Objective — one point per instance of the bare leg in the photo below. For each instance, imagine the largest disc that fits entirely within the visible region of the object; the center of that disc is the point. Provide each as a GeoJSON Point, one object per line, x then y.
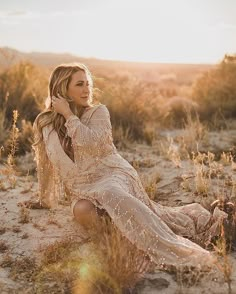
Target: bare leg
{"type": "Point", "coordinates": [85, 213]}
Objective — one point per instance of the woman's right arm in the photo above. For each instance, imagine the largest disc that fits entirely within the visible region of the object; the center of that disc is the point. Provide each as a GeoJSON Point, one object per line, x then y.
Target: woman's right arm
{"type": "Point", "coordinates": [97, 131]}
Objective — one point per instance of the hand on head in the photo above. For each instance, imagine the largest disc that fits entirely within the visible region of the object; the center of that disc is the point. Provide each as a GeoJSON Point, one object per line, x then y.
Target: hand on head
{"type": "Point", "coordinates": [61, 106]}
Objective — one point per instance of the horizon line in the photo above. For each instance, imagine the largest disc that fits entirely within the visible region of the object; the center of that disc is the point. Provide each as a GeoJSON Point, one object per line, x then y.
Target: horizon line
{"type": "Point", "coordinates": [111, 59]}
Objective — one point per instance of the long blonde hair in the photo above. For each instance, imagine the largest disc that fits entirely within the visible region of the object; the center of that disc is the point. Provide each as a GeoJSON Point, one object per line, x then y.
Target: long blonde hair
{"type": "Point", "coordinates": [58, 84]}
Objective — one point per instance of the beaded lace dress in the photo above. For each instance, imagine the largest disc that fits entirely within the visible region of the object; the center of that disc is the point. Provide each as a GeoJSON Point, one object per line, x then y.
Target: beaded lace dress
{"type": "Point", "coordinates": [99, 174]}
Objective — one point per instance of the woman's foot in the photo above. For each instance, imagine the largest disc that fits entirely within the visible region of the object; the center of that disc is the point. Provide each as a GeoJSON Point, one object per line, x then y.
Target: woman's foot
{"type": "Point", "coordinates": [224, 205]}
{"type": "Point", "coordinates": [228, 231]}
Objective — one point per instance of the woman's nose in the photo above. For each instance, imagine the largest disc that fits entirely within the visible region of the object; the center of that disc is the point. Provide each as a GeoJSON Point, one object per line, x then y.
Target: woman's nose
{"type": "Point", "coordinates": [86, 89]}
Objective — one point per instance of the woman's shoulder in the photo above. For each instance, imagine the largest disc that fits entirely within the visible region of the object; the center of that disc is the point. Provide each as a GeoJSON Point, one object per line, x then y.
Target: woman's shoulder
{"type": "Point", "coordinates": [95, 112]}
{"type": "Point", "coordinates": [95, 108]}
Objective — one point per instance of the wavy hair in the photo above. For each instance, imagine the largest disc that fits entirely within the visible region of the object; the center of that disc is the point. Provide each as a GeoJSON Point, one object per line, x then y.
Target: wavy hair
{"type": "Point", "coordinates": [58, 84]}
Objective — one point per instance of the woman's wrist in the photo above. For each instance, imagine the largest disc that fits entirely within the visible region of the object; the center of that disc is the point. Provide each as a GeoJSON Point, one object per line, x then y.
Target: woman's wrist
{"type": "Point", "coordinates": [68, 114]}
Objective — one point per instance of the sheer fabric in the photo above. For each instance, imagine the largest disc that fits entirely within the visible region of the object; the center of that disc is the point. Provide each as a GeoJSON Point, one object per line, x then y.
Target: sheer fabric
{"type": "Point", "coordinates": [99, 174]}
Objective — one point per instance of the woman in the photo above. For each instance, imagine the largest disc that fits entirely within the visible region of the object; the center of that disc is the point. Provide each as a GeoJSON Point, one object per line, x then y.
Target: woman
{"type": "Point", "coordinates": [76, 157]}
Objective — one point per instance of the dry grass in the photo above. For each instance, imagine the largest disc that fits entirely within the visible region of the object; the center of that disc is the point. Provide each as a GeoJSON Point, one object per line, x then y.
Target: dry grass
{"type": "Point", "coordinates": [7, 260]}
{"type": "Point", "coordinates": [226, 158]}
{"type": "Point", "coordinates": [170, 150]}
{"type": "Point", "coordinates": [121, 137]}
{"type": "Point", "coordinates": [3, 133]}
{"type": "Point", "coordinates": [215, 91]}
{"type": "Point", "coordinates": [53, 221]}
{"type": "Point", "coordinates": [186, 183]}
{"type": "Point", "coordinates": [58, 250]}
{"type": "Point", "coordinates": [59, 267]}
{"type": "Point", "coordinates": [23, 268]}
{"type": "Point", "coordinates": [224, 264]}
{"type": "Point", "coordinates": [3, 246]}
{"type": "Point", "coordinates": [182, 146]}
{"type": "Point", "coordinates": [25, 236]}
{"type": "Point", "coordinates": [195, 132]}
{"type": "Point", "coordinates": [150, 184]}
{"type": "Point", "coordinates": [3, 186]}
{"type": "Point", "coordinates": [28, 188]}
{"type": "Point", "coordinates": [9, 171]}
{"type": "Point", "coordinates": [2, 230]}
{"type": "Point", "coordinates": [13, 141]}
{"type": "Point", "coordinates": [39, 227]}
{"type": "Point", "coordinates": [187, 278]}
{"type": "Point", "coordinates": [110, 265]}
{"type": "Point", "coordinates": [115, 265]}
{"type": "Point", "coordinates": [16, 229]}
{"type": "Point", "coordinates": [24, 215]}
{"type": "Point", "coordinates": [202, 176]}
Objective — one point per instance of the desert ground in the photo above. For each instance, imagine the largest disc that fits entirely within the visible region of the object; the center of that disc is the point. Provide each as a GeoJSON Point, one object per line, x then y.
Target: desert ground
{"type": "Point", "coordinates": [169, 176]}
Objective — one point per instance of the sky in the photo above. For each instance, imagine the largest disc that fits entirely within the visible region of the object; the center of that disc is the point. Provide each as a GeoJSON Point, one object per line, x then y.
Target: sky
{"type": "Point", "coordinates": [173, 31]}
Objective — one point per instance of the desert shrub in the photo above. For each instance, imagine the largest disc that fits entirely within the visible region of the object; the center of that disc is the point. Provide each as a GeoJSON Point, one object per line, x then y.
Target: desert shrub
{"type": "Point", "coordinates": [25, 139]}
{"type": "Point", "coordinates": [115, 263]}
{"type": "Point", "coordinates": [215, 90]}
{"type": "Point", "coordinates": [175, 110]}
{"type": "Point", "coordinates": [131, 104]}
{"type": "Point", "coordinates": [22, 87]}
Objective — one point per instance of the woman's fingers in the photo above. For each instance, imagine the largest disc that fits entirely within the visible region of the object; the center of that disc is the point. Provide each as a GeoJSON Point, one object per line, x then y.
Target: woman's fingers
{"type": "Point", "coordinates": [55, 100]}
{"type": "Point", "coordinates": [60, 105]}
{"type": "Point", "coordinates": [59, 96]}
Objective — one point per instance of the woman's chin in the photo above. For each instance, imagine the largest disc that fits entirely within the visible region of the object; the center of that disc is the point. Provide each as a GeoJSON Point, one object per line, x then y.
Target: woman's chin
{"type": "Point", "coordinates": [83, 103]}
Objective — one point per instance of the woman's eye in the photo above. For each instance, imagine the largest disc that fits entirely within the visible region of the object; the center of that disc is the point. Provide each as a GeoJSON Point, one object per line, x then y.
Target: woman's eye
{"type": "Point", "coordinates": [81, 84]}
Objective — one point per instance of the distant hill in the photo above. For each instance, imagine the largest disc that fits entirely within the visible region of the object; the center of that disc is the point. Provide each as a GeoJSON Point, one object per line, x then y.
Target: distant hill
{"type": "Point", "coordinates": [9, 56]}
{"type": "Point", "coordinates": [146, 71]}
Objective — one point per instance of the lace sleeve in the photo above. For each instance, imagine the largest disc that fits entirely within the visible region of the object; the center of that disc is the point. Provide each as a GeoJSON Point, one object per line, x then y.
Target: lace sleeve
{"type": "Point", "coordinates": [46, 178]}
{"type": "Point", "coordinates": [98, 129]}
{"type": "Point", "coordinates": [50, 186]}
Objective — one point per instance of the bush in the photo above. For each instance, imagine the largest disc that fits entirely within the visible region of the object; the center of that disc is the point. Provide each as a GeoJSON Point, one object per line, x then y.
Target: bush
{"type": "Point", "coordinates": [215, 91]}
{"type": "Point", "coordinates": [132, 106]}
{"type": "Point", "coordinates": [22, 88]}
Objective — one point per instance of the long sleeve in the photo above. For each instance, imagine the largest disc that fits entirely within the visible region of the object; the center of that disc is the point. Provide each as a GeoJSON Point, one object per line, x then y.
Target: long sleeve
{"type": "Point", "coordinates": [98, 130]}
{"type": "Point", "coordinates": [47, 157]}
{"type": "Point", "coordinates": [47, 178]}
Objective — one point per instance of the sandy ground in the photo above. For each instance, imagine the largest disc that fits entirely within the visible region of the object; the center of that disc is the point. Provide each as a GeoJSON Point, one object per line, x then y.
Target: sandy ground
{"type": "Point", "coordinates": [20, 240]}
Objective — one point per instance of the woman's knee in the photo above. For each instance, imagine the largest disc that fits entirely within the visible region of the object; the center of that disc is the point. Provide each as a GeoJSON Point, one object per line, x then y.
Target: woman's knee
{"type": "Point", "coordinates": [83, 206]}
{"type": "Point", "coordinates": [83, 210]}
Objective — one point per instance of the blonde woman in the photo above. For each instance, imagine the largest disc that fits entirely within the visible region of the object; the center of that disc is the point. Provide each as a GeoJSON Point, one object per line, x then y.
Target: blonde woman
{"type": "Point", "coordinates": [76, 159]}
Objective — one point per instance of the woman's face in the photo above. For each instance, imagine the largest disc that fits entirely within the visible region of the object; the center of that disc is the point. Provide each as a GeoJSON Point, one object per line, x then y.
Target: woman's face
{"type": "Point", "coordinates": [79, 88]}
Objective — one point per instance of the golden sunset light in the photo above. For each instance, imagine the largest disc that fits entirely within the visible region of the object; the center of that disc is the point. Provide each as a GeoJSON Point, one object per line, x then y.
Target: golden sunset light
{"type": "Point", "coordinates": [118, 146]}
{"type": "Point", "coordinates": [185, 31]}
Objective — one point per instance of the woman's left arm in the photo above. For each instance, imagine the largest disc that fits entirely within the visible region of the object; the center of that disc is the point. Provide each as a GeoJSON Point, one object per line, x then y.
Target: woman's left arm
{"type": "Point", "coordinates": [98, 130]}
